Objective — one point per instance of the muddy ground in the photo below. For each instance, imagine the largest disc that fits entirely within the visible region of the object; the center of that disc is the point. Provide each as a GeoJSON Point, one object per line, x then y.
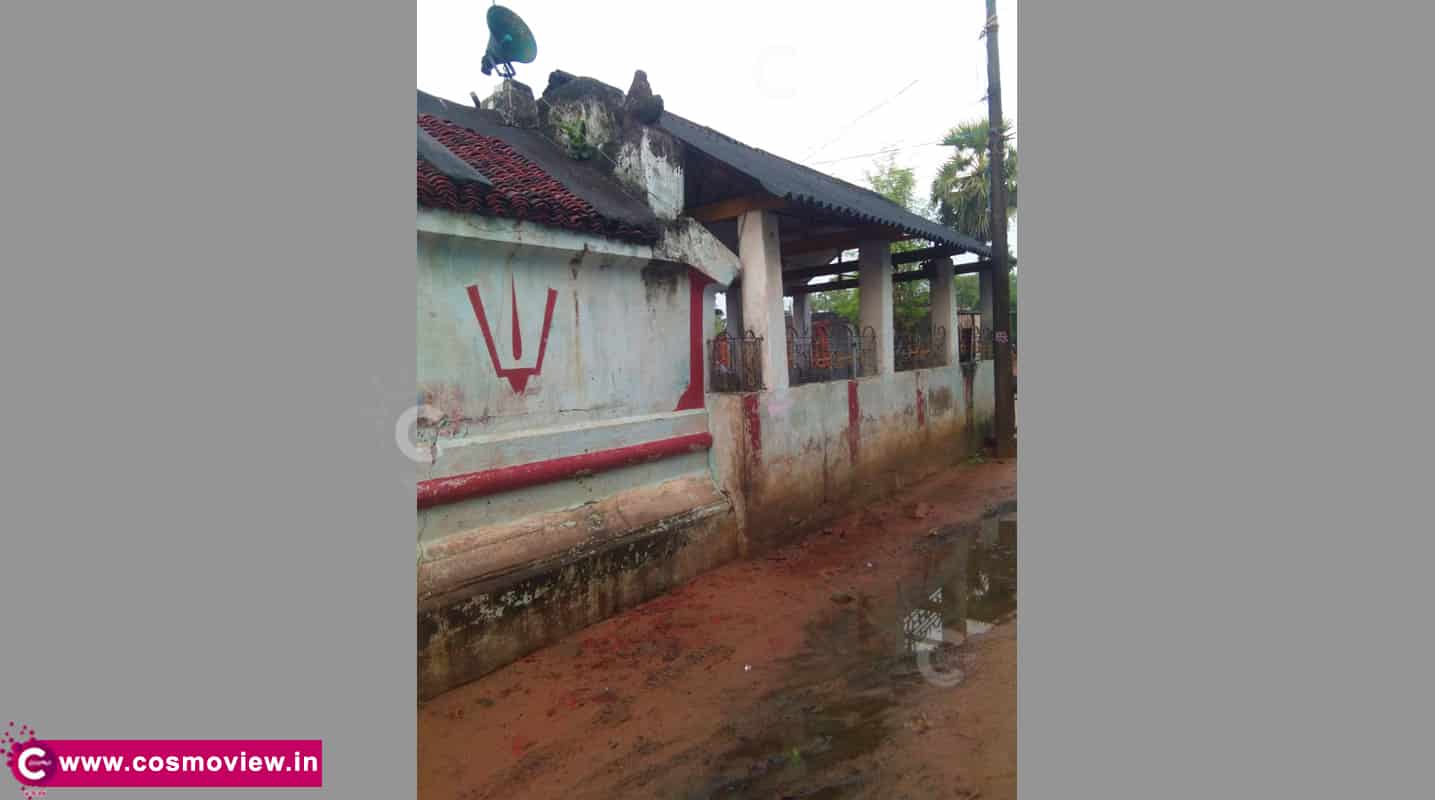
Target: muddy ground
{"type": "Point", "coordinates": [874, 659]}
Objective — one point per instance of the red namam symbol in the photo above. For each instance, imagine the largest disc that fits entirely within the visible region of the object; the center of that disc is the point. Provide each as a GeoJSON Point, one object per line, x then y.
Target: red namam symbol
{"type": "Point", "coordinates": [517, 376]}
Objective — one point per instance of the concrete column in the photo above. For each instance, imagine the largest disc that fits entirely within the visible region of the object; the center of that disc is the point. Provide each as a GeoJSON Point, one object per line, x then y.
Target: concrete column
{"type": "Point", "coordinates": [984, 286]}
{"type": "Point", "coordinates": [733, 314]}
{"type": "Point", "coordinates": [760, 257]}
{"type": "Point", "coordinates": [944, 305]}
{"type": "Point", "coordinates": [802, 314]}
{"type": "Point", "coordinates": [874, 296]}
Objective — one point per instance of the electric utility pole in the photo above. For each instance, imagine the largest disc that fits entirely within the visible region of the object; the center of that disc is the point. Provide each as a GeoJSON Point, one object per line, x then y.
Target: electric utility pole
{"type": "Point", "coordinates": [1005, 407]}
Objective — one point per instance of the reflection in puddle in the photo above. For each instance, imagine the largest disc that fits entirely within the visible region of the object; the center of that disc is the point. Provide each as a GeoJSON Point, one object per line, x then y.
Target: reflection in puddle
{"type": "Point", "coordinates": [969, 585]}
{"type": "Point", "coordinates": [844, 698]}
{"type": "Point", "coordinates": [925, 629]}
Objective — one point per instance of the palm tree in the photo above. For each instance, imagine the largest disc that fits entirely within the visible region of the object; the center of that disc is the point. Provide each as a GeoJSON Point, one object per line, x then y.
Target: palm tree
{"type": "Point", "coordinates": [960, 190]}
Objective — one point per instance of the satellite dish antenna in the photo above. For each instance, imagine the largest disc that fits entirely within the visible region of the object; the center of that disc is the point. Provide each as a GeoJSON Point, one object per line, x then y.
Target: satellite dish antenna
{"type": "Point", "coordinates": [509, 42]}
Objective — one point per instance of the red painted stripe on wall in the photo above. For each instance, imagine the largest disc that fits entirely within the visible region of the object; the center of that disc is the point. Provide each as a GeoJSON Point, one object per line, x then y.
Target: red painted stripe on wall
{"type": "Point", "coordinates": [754, 426]}
{"type": "Point", "coordinates": [504, 479]}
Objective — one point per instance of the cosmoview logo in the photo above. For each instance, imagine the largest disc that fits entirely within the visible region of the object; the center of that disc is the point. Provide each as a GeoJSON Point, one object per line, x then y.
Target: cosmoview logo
{"type": "Point", "coordinates": [407, 442]}
{"type": "Point", "coordinates": [35, 763]}
{"type": "Point", "coordinates": [31, 761]}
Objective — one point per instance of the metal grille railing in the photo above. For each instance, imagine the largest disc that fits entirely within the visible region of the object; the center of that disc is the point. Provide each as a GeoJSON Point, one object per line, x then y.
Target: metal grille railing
{"type": "Point", "coordinates": [975, 339]}
{"type": "Point", "coordinates": [986, 344]}
{"type": "Point", "coordinates": [922, 626]}
{"type": "Point", "coordinates": [831, 351]}
{"type": "Point", "coordinates": [735, 363]}
{"type": "Point", "coordinates": [920, 349]}
{"type": "Point", "coordinates": [985, 341]}
{"type": "Point", "coordinates": [968, 337]}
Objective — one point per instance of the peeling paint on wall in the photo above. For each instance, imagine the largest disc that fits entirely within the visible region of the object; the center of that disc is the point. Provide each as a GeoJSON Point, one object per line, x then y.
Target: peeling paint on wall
{"type": "Point", "coordinates": [661, 279]}
{"type": "Point", "coordinates": [812, 465]}
{"type": "Point", "coordinates": [649, 163]}
{"type": "Point", "coordinates": [941, 400]}
{"type": "Point", "coordinates": [451, 422]}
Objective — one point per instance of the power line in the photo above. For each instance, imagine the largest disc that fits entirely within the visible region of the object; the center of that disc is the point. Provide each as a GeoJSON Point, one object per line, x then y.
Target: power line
{"type": "Point", "coordinates": [874, 153]}
{"type": "Point", "coordinates": [884, 151]}
{"type": "Point", "coordinates": [1011, 134]}
{"type": "Point", "coordinates": [859, 118]}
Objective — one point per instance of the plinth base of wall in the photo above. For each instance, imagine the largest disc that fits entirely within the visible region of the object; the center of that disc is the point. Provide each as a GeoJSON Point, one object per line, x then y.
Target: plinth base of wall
{"type": "Point", "coordinates": [473, 618]}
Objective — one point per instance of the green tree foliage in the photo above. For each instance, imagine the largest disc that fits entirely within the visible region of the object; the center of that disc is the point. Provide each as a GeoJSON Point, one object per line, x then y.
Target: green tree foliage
{"type": "Point", "coordinates": [969, 291]}
{"type": "Point", "coordinates": [961, 192]}
{"type": "Point", "coordinates": [898, 184]}
{"type": "Point", "coordinates": [842, 302]}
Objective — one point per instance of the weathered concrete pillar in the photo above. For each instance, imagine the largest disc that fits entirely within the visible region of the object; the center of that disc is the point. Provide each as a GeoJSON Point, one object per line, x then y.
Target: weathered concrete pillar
{"type": "Point", "coordinates": [802, 314]}
{"type": "Point", "coordinates": [734, 313]}
{"type": "Point", "coordinates": [944, 306]}
{"type": "Point", "coordinates": [760, 255]}
{"type": "Point", "coordinates": [984, 286]}
{"type": "Point", "coordinates": [874, 296]}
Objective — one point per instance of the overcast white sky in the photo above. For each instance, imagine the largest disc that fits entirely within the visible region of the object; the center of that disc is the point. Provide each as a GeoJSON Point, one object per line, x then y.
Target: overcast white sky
{"type": "Point", "coordinates": [790, 78]}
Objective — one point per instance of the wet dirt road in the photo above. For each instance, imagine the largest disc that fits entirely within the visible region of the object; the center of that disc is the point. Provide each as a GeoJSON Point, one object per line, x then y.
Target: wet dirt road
{"type": "Point", "coordinates": [875, 659]}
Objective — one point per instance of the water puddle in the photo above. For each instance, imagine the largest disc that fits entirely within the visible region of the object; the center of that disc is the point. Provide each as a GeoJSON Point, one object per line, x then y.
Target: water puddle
{"type": "Point", "coordinates": [969, 585]}
{"type": "Point", "coordinates": [845, 694]}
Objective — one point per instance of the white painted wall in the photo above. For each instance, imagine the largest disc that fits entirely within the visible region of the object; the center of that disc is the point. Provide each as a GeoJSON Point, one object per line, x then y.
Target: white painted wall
{"type": "Point", "coordinates": [616, 362]}
{"type": "Point", "coordinates": [617, 345]}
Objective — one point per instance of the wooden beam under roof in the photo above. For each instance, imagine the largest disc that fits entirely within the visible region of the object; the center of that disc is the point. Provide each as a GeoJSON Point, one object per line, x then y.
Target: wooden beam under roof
{"type": "Point", "coordinates": [841, 267]}
{"type": "Point", "coordinates": [830, 286]}
{"type": "Point", "coordinates": [835, 268]}
{"type": "Point", "coordinates": [806, 273]}
{"type": "Point", "coordinates": [842, 240]}
{"type": "Point", "coordinates": [799, 277]}
{"type": "Point", "coordinates": [908, 257]}
{"type": "Point", "coordinates": [926, 254]}
{"type": "Point", "coordinates": [801, 287]}
{"type": "Point", "coordinates": [736, 207]}
{"type": "Point", "coordinates": [845, 283]}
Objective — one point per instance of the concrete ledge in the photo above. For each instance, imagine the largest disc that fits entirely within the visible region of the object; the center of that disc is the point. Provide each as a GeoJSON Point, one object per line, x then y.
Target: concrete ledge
{"type": "Point", "coordinates": [686, 241]}
{"type": "Point", "coordinates": [494, 602]}
{"type": "Point", "coordinates": [454, 488]}
{"type": "Point", "coordinates": [503, 230]}
{"type": "Point", "coordinates": [493, 551]}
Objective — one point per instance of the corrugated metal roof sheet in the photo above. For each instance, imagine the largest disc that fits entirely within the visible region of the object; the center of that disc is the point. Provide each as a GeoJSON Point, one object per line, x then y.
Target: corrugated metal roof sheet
{"type": "Point", "coordinates": [807, 186]}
